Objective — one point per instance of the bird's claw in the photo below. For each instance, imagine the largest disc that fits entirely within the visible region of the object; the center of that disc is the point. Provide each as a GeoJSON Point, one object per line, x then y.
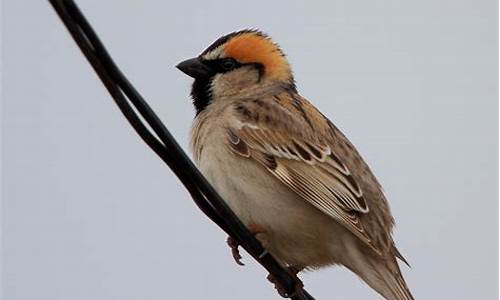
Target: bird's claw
{"type": "Point", "coordinates": [281, 290]}
{"type": "Point", "coordinates": [233, 244]}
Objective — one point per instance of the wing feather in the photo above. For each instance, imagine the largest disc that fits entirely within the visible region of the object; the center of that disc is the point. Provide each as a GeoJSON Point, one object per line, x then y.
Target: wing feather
{"type": "Point", "coordinates": [309, 168]}
{"type": "Point", "coordinates": [289, 143]}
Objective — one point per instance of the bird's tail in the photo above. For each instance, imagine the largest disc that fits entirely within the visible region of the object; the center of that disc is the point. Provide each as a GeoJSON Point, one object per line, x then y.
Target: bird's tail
{"type": "Point", "coordinates": [393, 285]}
{"type": "Point", "coordinates": [382, 275]}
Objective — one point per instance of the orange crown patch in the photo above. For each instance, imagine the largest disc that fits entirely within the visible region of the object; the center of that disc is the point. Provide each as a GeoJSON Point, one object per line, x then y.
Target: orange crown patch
{"type": "Point", "coordinates": [252, 47]}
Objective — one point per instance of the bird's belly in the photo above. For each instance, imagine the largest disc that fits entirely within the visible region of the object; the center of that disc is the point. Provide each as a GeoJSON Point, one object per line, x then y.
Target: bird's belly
{"type": "Point", "coordinates": [296, 232]}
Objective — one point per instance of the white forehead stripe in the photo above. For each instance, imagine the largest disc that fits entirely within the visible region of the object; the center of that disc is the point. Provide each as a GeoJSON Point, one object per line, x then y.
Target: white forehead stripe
{"type": "Point", "coordinates": [214, 54]}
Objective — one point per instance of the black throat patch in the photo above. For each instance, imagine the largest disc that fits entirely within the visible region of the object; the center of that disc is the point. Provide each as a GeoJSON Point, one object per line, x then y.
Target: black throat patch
{"type": "Point", "coordinates": [200, 92]}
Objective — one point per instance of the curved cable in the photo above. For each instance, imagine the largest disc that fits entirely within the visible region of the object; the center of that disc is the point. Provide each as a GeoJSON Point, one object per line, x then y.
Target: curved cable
{"type": "Point", "coordinates": [165, 146]}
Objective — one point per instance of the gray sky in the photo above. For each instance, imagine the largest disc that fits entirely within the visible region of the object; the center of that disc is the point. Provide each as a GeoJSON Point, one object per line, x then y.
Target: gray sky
{"type": "Point", "coordinates": [89, 212]}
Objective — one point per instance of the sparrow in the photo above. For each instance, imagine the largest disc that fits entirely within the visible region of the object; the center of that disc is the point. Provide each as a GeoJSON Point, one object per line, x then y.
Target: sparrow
{"type": "Point", "coordinates": [288, 173]}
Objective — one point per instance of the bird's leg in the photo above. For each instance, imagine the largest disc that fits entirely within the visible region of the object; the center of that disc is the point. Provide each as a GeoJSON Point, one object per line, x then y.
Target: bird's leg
{"type": "Point", "coordinates": [257, 231]}
{"type": "Point", "coordinates": [281, 290]}
{"type": "Point", "coordinates": [261, 235]}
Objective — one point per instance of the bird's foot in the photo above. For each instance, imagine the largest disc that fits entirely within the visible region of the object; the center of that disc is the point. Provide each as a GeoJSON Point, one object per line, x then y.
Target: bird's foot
{"type": "Point", "coordinates": [281, 290]}
{"type": "Point", "coordinates": [259, 234]}
{"type": "Point", "coordinates": [233, 244]}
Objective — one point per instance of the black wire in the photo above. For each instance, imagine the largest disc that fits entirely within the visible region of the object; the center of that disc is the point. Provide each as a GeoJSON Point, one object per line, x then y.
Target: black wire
{"type": "Point", "coordinates": [106, 72]}
{"type": "Point", "coordinates": [165, 146]}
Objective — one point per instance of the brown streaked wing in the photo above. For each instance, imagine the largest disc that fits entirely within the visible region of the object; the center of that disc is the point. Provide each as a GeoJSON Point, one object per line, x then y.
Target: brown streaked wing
{"type": "Point", "coordinates": [303, 163]}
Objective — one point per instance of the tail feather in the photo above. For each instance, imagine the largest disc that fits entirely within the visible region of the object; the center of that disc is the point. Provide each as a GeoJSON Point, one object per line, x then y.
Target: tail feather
{"type": "Point", "coordinates": [401, 257]}
{"type": "Point", "coordinates": [383, 275]}
{"type": "Point", "coordinates": [394, 282]}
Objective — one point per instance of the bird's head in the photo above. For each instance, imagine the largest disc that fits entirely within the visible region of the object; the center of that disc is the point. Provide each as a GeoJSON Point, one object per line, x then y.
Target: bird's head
{"type": "Point", "coordinates": [240, 62]}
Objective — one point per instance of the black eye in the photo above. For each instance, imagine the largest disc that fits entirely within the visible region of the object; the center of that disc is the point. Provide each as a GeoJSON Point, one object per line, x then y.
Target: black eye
{"type": "Point", "coordinates": [228, 64]}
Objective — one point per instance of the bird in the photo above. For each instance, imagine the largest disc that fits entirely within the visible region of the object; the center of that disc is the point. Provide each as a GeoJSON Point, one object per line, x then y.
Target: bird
{"type": "Point", "coordinates": [289, 174]}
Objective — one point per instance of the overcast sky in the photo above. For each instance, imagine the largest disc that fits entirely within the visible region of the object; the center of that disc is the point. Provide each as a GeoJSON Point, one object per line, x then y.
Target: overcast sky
{"type": "Point", "coordinates": [89, 212]}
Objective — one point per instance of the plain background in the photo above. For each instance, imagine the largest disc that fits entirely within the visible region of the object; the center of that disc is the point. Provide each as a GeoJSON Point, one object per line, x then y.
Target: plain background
{"type": "Point", "coordinates": [89, 212]}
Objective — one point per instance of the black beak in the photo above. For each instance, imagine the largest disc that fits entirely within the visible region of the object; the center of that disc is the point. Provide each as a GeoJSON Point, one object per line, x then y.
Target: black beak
{"type": "Point", "coordinates": [195, 68]}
